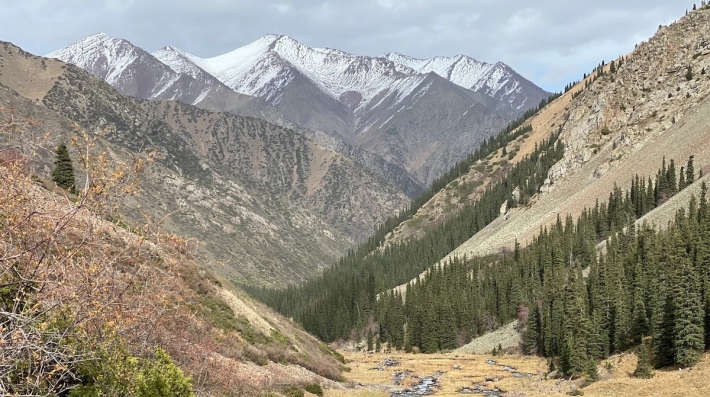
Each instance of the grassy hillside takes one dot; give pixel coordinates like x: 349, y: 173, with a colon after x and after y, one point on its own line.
x: 89, y: 304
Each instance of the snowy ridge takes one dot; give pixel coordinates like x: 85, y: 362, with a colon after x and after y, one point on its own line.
x: 135, y: 72
x: 266, y: 66
x: 100, y: 52
x: 421, y: 114
x: 175, y: 59
x: 123, y: 65
x: 464, y: 71
x: 263, y: 67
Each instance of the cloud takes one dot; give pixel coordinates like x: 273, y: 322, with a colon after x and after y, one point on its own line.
x: 551, y: 42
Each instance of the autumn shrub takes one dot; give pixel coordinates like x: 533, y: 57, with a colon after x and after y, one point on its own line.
x: 67, y: 277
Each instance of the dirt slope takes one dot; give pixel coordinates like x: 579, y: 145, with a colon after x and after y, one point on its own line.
x: 506, y: 337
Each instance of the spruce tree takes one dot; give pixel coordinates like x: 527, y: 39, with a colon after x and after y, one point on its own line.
x: 369, y: 340
x: 532, y: 333
x: 574, y: 358
x: 63, y: 173
x: 644, y: 369
x: 408, y: 348
x: 689, y: 335
x: 639, y: 320
x: 690, y: 171
x: 681, y: 181
x: 447, y: 328
x: 430, y: 330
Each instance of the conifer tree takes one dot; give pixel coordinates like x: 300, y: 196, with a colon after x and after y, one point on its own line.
x: 663, y: 346
x: 644, y: 369
x: 369, y: 340
x: 430, y: 330
x: 672, y: 178
x: 639, y: 321
x: 598, y: 343
x: 408, y: 348
x: 447, y: 328
x: 532, y: 333
x: 690, y: 171
x: 688, y: 330
x: 574, y: 359
x: 63, y: 173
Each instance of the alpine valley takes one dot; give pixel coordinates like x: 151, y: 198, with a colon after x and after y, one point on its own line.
x: 282, y: 220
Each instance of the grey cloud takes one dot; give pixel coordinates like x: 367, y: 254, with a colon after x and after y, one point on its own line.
x: 551, y: 42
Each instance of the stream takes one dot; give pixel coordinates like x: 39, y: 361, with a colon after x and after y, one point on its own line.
x: 425, y: 386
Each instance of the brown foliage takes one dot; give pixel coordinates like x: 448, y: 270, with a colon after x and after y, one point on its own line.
x: 74, y: 280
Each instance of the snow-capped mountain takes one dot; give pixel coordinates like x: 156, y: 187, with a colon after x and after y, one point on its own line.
x: 422, y: 115
x: 125, y: 66
x: 265, y: 66
x: 135, y: 72
x: 497, y: 80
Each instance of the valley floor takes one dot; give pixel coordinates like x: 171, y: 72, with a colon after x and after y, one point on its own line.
x: 513, y: 375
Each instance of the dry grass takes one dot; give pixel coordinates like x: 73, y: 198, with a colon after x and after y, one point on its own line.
x: 26, y: 74
x: 366, y: 381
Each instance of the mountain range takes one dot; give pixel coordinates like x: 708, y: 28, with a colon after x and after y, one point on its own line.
x: 419, y: 115
x: 271, y: 202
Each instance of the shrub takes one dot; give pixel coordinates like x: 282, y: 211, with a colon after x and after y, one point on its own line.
x: 293, y: 392
x: 315, y: 388
x: 162, y: 378
x: 117, y: 372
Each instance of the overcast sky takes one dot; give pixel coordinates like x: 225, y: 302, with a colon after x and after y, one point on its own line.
x: 551, y: 42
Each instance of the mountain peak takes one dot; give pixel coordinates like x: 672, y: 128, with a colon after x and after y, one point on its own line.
x: 272, y: 37
x: 101, y: 36
x: 94, y: 38
x: 92, y: 43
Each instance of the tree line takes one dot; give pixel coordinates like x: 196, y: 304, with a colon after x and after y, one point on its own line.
x: 579, y: 306
x: 343, y: 299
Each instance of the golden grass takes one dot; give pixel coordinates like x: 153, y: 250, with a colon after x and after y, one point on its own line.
x: 366, y: 381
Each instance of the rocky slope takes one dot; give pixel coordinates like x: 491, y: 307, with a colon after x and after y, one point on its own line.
x: 651, y: 108
x: 270, y: 203
x: 614, y: 126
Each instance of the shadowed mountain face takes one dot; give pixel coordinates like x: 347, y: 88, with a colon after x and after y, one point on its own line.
x: 357, y: 99
x: 268, y: 201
